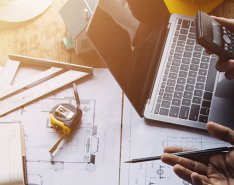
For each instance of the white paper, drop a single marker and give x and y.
(7, 73)
(92, 155)
(143, 138)
(11, 171)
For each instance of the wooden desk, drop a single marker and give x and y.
(42, 36)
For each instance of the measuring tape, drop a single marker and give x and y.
(65, 117)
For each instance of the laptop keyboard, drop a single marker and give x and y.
(187, 86)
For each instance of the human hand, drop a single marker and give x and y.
(226, 66)
(217, 169)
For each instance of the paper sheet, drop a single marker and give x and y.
(92, 155)
(141, 138)
(7, 73)
(11, 171)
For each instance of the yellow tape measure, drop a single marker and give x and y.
(65, 117)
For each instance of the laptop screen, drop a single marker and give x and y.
(129, 36)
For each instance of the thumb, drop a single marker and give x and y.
(221, 132)
(228, 23)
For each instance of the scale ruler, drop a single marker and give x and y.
(15, 101)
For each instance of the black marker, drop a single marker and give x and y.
(188, 154)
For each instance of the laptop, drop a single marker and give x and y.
(155, 59)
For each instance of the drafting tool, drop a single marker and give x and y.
(7, 72)
(32, 81)
(65, 117)
(188, 154)
(15, 96)
(49, 63)
(15, 101)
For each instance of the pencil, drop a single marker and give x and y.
(49, 63)
(186, 154)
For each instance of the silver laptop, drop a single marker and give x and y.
(165, 74)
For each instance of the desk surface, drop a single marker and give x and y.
(42, 36)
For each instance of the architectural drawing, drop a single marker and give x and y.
(94, 154)
(84, 138)
(142, 139)
(89, 155)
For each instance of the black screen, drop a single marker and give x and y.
(129, 37)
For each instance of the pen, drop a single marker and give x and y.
(186, 154)
(49, 63)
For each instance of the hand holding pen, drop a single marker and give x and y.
(206, 170)
(200, 155)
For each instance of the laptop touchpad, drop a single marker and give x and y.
(225, 88)
(222, 103)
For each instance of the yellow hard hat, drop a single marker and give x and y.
(190, 7)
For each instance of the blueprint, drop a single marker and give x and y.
(141, 138)
(89, 156)
(109, 134)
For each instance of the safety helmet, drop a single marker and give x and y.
(190, 7)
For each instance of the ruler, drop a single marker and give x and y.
(45, 75)
(7, 73)
(50, 63)
(30, 94)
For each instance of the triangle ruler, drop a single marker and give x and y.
(18, 95)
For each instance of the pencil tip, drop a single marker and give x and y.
(128, 162)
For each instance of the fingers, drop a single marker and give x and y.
(208, 52)
(224, 66)
(174, 149)
(229, 23)
(197, 179)
(199, 158)
(190, 176)
(190, 170)
(227, 67)
(230, 74)
(186, 163)
(221, 132)
(183, 173)
(222, 163)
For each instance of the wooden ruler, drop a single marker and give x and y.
(45, 75)
(17, 100)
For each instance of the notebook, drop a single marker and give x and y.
(12, 155)
(154, 57)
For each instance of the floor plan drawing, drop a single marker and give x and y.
(109, 134)
(91, 149)
(142, 138)
(79, 147)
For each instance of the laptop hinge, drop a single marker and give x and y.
(169, 25)
(148, 101)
